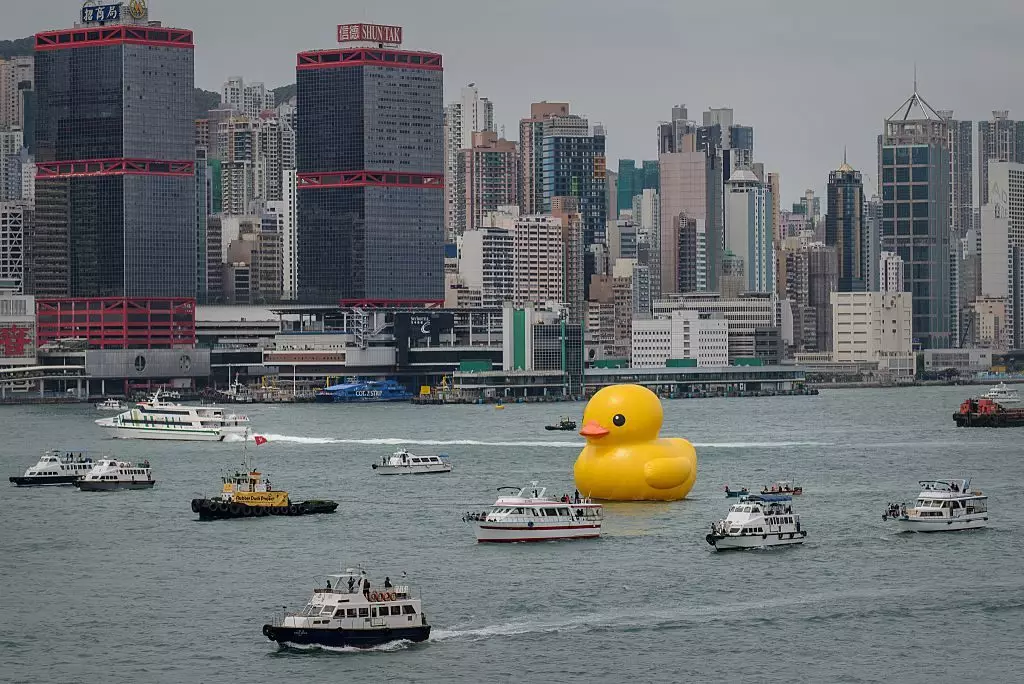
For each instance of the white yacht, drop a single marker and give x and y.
(758, 521)
(56, 468)
(349, 612)
(530, 515)
(402, 462)
(942, 506)
(158, 419)
(1001, 394)
(110, 405)
(110, 474)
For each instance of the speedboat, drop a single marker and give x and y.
(758, 521)
(55, 468)
(783, 487)
(110, 475)
(1003, 394)
(110, 405)
(732, 493)
(529, 515)
(158, 419)
(349, 612)
(564, 423)
(942, 506)
(402, 462)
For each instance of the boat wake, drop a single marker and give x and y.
(399, 645)
(399, 441)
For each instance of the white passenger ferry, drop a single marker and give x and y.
(110, 475)
(110, 405)
(402, 462)
(758, 521)
(530, 515)
(56, 468)
(350, 612)
(942, 506)
(158, 419)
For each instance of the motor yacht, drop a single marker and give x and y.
(1002, 394)
(110, 475)
(942, 506)
(110, 404)
(159, 419)
(402, 462)
(528, 514)
(758, 521)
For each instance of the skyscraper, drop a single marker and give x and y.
(470, 114)
(632, 181)
(115, 158)
(914, 179)
(1002, 244)
(370, 164)
(844, 226)
(748, 228)
(531, 140)
(490, 177)
(1001, 139)
(573, 165)
(961, 173)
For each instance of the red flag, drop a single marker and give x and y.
(260, 439)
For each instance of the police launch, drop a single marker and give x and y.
(371, 33)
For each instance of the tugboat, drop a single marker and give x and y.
(732, 493)
(109, 475)
(564, 423)
(402, 462)
(758, 521)
(55, 468)
(942, 506)
(529, 515)
(350, 613)
(783, 487)
(984, 412)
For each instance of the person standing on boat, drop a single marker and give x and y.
(351, 585)
(387, 583)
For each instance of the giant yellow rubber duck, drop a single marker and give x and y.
(624, 459)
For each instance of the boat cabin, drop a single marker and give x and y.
(251, 481)
(532, 505)
(948, 499)
(403, 457)
(350, 601)
(56, 463)
(759, 515)
(112, 470)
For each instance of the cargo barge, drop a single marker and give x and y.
(988, 413)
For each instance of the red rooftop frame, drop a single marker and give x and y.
(360, 179)
(119, 322)
(114, 35)
(328, 59)
(82, 168)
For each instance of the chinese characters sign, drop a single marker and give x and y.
(16, 342)
(372, 33)
(92, 13)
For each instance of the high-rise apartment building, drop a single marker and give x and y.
(115, 138)
(748, 228)
(249, 99)
(914, 179)
(872, 249)
(370, 158)
(490, 178)
(17, 76)
(537, 260)
(285, 210)
(961, 173)
(1002, 245)
(844, 226)
(470, 114)
(890, 271)
(677, 135)
(1000, 139)
(531, 154)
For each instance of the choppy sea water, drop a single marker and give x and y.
(130, 587)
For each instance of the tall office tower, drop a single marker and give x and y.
(961, 173)
(573, 165)
(677, 135)
(748, 228)
(872, 250)
(735, 142)
(690, 259)
(632, 181)
(914, 179)
(844, 226)
(1002, 244)
(531, 154)
(470, 114)
(688, 186)
(491, 178)
(17, 76)
(822, 279)
(1001, 139)
(370, 170)
(115, 137)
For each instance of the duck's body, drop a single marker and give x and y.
(624, 459)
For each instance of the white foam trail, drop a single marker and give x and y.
(396, 441)
(390, 646)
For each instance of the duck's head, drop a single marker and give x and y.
(621, 414)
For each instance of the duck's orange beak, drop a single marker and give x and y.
(593, 429)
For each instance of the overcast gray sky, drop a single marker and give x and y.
(810, 75)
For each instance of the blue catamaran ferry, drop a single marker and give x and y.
(364, 391)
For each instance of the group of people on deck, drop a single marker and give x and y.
(896, 510)
(571, 499)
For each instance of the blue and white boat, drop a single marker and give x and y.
(364, 391)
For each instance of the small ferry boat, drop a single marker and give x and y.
(56, 468)
(247, 494)
(758, 521)
(364, 391)
(110, 475)
(158, 419)
(402, 462)
(350, 612)
(783, 487)
(563, 423)
(942, 506)
(1003, 394)
(530, 515)
(987, 413)
(732, 493)
(110, 405)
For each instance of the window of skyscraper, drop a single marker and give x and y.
(902, 174)
(887, 156)
(902, 155)
(920, 154)
(920, 192)
(920, 174)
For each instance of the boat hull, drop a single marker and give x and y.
(1015, 418)
(175, 434)
(108, 486)
(209, 509)
(754, 541)
(510, 534)
(411, 470)
(344, 638)
(562, 429)
(942, 525)
(47, 481)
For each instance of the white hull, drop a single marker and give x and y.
(108, 486)
(757, 541)
(176, 434)
(412, 470)
(942, 525)
(503, 532)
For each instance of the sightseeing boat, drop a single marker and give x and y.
(984, 412)
(783, 487)
(402, 462)
(530, 515)
(55, 468)
(110, 405)
(159, 419)
(110, 475)
(564, 423)
(351, 613)
(1002, 394)
(942, 506)
(758, 521)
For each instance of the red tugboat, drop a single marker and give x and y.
(988, 413)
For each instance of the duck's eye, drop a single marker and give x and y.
(619, 420)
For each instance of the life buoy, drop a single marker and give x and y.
(294, 509)
(392, 596)
(373, 596)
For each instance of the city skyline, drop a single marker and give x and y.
(821, 80)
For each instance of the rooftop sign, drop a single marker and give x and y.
(370, 33)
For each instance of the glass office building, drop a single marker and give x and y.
(115, 162)
(370, 159)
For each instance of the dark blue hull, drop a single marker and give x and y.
(334, 399)
(345, 638)
(42, 481)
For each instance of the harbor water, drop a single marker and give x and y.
(131, 587)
